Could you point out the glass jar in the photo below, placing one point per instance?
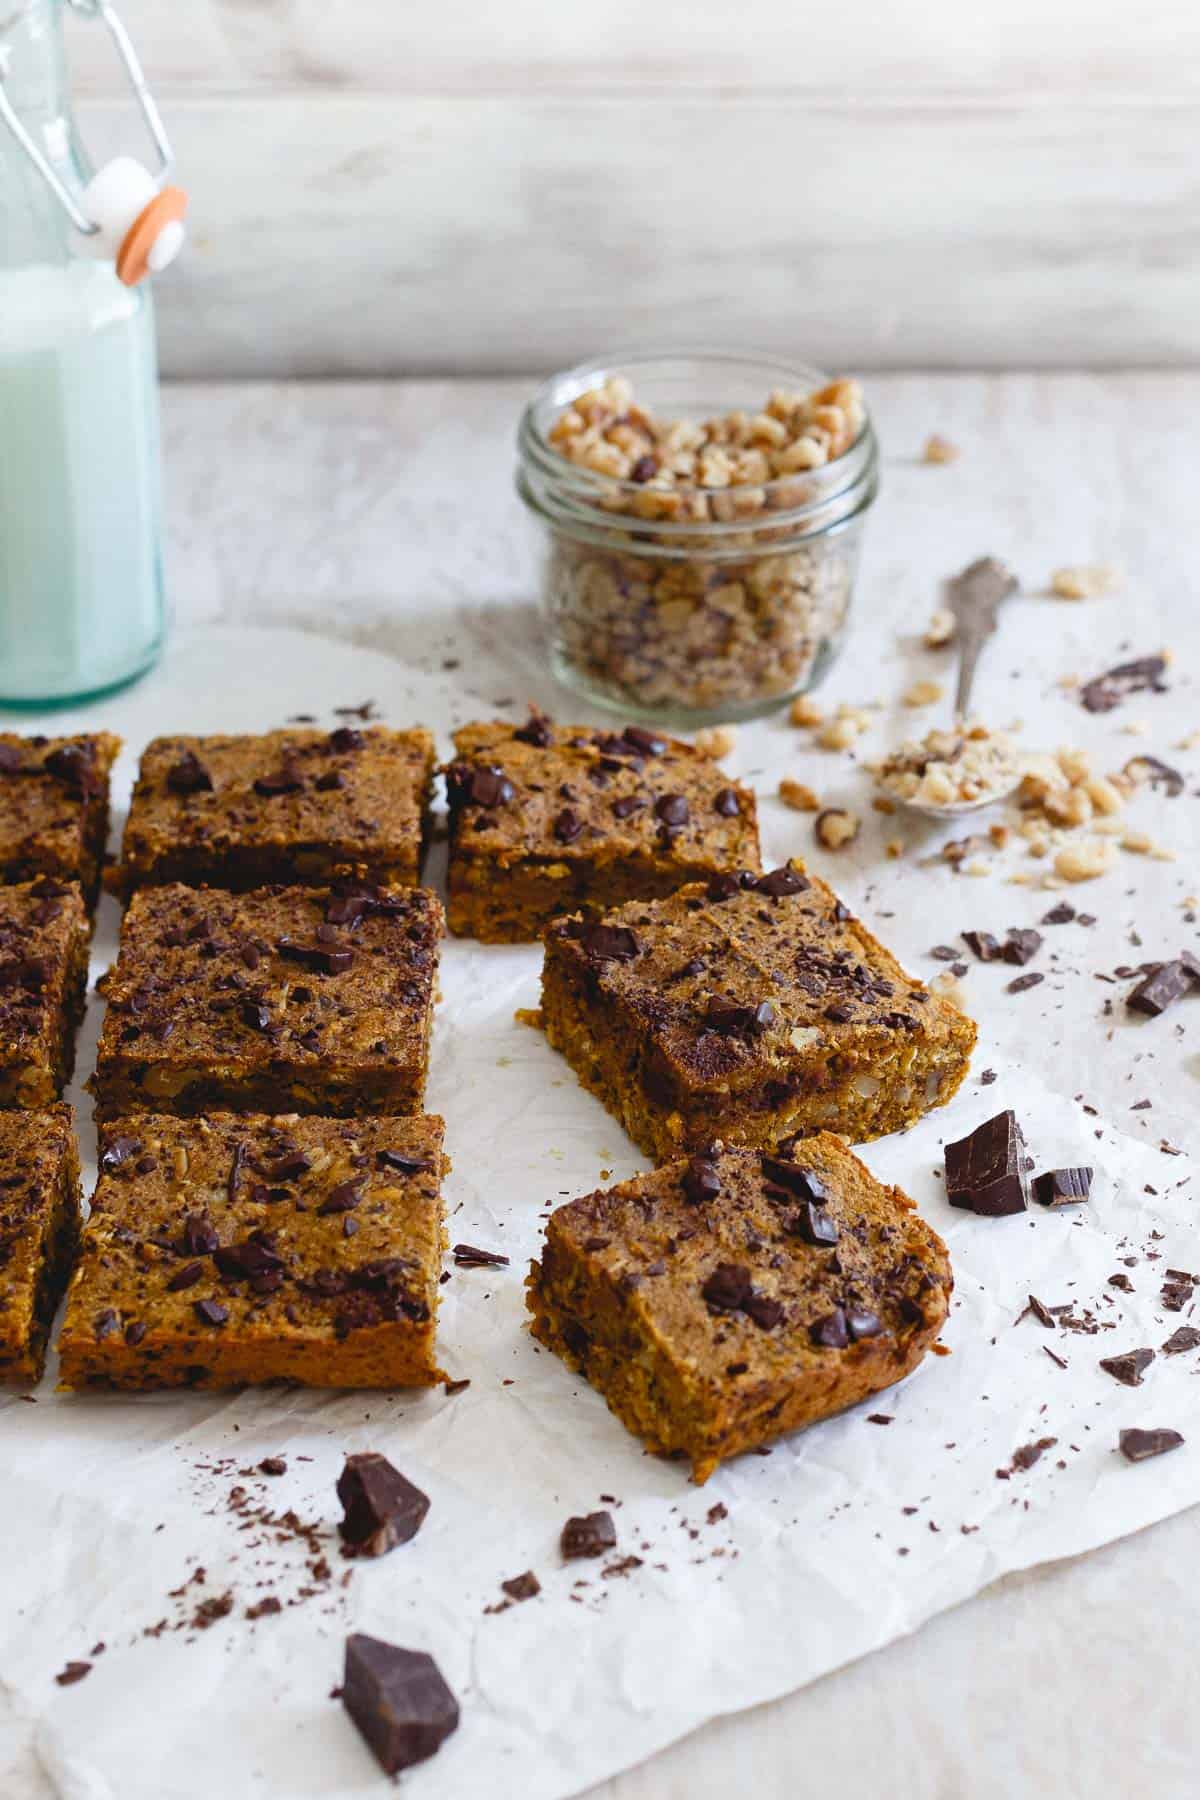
(81, 585)
(724, 613)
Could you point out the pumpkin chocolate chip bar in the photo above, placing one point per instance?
(546, 818)
(751, 1009)
(44, 938)
(730, 1297)
(39, 1230)
(314, 1000)
(288, 806)
(240, 1249)
(54, 807)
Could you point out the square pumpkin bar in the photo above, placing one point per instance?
(730, 1297)
(230, 1249)
(289, 806)
(750, 1009)
(39, 1232)
(547, 819)
(54, 807)
(44, 941)
(314, 1000)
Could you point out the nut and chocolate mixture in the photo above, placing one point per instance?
(39, 1231)
(717, 619)
(733, 1296)
(237, 1249)
(751, 1009)
(951, 768)
(547, 818)
(54, 807)
(287, 806)
(314, 1000)
(44, 936)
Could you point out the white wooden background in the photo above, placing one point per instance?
(470, 185)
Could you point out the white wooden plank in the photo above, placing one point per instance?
(1089, 48)
(357, 234)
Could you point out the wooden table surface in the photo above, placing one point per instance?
(319, 506)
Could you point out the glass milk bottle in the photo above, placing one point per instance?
(81, 581)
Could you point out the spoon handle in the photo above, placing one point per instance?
(974, 598)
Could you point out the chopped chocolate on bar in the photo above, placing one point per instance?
(398, 1700)
(985, 1172)
(1136, 1444)
(1129, 1368)
(382, 1508)
(1062, 1187)
(588, 1535)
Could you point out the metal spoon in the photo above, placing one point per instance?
(974, 597)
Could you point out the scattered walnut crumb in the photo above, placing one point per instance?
(941, 629)
(1085, 861)
(894, 849)
(837, 734)
(939, 449)
(798, 796)
(1084, 581)
(1190, 742)
(531, 1016)
(834, 828)
(882, 804)
(950, 988)
(715, 741)
(1139, 842)
(999, 835)
(1136, 728)
(805, 711)
(923, 693)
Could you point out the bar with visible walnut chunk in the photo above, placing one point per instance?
(286, 999)
(735, 1295)
(39, 1232)
(753, 1009)
(288, 806)
(546, 819)
(237, 1249)
(54, 807)
(44, 938)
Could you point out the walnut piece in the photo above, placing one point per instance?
(835, 828)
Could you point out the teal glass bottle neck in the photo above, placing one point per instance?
(34, 229)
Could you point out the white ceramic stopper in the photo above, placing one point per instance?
(117, 195)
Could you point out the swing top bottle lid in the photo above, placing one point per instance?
(138, 223)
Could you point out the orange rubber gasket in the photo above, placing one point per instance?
(133, 258)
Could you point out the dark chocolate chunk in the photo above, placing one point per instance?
(1104, 692)
(105, 1323)
(189, 775)
(985, 1172)
(1136, 1445)
(731, 1020)
(861, 1323)
(287, 1168)
(287, 779)
(780, 882)
(382, 1508)
(607, 943)
(469, 1256)
(701, 1181)
(74, 1671)
(1062, 1187)
(730, 882)
(1186, 1337)
(814, 1226)
(567, 826)
(1161, 988)
(800, 1182)
(468, 785)
(346, 737)
(1062, 914)
(535, 731)
(198, 1236)
(522, 1587)
(728, 1287)
(395, 1159)
(727, 804)
(117, 1151)
(1128, 1368)
(186, 1277)
(1020, 983)
(321, 958)
(256, 1015)
(252, 1260)
(74, 765)
(343, 1198)
(1020, 946)
(398, 1700)
(832, 1332)
(672, 809)
(11, 758)
(1158, 774)
(627, 805)
(273, 1465)
(211, 1312)
(644, 469)
(765, 1311)
(647, 742)
(589, 1534)
(984, 945)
